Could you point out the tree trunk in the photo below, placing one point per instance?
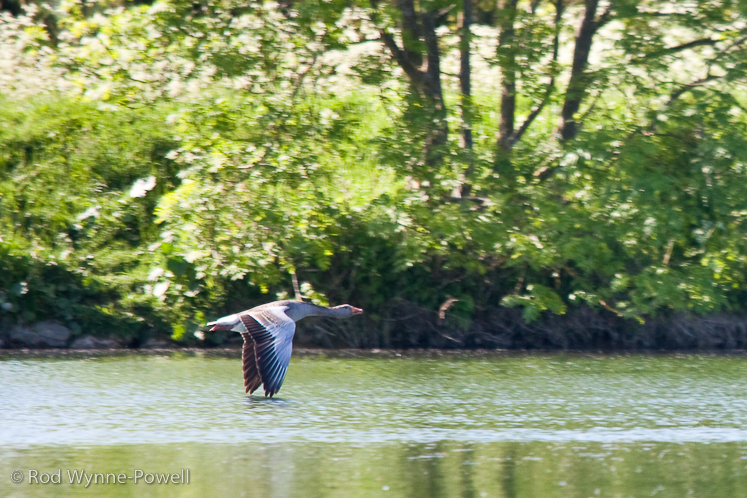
(508, 72)
(580, 80)
(426, 82)
(465, 84)
(438, 135)
(411, 32)
(12, 6)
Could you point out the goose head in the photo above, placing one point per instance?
(346, 311)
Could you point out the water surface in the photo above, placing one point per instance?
(471, 425)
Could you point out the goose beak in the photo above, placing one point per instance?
(357, 311)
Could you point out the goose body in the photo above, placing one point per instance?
(268, 338)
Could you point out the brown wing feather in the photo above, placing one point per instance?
(252, 379)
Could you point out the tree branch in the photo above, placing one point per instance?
(676, 94)
(588, 112)
(416, 76)
(508, 70)
(678, 48)
(709, 77)
(299, 81)
(689, 86)
(604, 18)
(580, 81)
(516, 136)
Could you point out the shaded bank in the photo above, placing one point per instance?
(501, 328)
(579, 329)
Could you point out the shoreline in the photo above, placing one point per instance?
(357, 353)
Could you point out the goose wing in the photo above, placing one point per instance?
(268, 343)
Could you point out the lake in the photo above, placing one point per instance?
(384, 425)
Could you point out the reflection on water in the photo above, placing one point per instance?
(451, 426)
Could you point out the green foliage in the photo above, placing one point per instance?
(186, 159)
(72, 235)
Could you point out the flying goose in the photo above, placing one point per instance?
(268, 338)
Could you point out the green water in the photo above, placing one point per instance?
(453, 425)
